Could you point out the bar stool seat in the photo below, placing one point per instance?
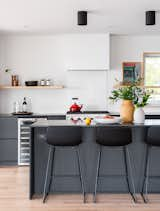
(62, 136)
(152, 140)
(153, 136)
(115, 137)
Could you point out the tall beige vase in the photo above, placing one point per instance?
(127, 111)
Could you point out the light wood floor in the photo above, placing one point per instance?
(14, 189)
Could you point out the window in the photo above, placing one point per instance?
(152, 75)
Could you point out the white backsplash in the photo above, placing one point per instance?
(90, 87)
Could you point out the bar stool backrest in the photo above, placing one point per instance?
(64, 135)
(153, 136)
(114, 136)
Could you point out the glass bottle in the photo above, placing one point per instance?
(24, 105)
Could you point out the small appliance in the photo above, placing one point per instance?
(75, 107)
(24, 139)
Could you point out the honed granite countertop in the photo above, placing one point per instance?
(8, 115)
(147, 113)
(31, 115)
(47, 123)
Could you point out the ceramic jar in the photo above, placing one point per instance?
(127, 111)
(139, 115)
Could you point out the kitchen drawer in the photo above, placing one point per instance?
(8, 128)
(60, 117)
(8, 151)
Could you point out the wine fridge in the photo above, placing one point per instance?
(24, 140)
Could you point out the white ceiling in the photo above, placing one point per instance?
(60, 16)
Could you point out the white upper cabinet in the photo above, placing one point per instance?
(87, 51)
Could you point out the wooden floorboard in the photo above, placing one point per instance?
(14, 188)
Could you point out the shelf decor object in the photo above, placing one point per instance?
(132, 71)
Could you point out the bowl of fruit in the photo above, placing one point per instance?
(107, 119)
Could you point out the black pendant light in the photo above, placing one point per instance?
(82, 18)
(150, 17)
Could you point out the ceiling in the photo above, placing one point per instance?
(60, 16)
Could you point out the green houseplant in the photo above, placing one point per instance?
(140, 101)
(126, 94)
(123, 93)
(141, 97)
(130, 95)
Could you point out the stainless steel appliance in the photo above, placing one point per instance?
(24, 139)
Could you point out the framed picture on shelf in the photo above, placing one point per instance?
(131, 71)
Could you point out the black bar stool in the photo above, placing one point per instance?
(116, 137)
(152, 140)
(62, 136)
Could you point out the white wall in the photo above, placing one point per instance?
(37, 57)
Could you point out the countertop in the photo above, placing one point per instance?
(147, 113)
(47, 123)
(8, 115)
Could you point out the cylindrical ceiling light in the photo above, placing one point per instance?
(150, 17)
(82, 18)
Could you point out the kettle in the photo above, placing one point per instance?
(75, 107)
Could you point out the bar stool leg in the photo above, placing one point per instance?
(97, 174)
(80, 171)
(127, 154)
(52, 166)
(45, 191)
(146, 177)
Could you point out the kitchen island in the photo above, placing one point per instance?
(111, 169)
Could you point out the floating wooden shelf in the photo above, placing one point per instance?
(32, 87)
(74, 70)
(143, 86)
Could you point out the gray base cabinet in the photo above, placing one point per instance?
(8, 152)
(8, 141)
(9, 138)
(8, 128)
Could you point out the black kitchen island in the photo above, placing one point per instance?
(112, 170)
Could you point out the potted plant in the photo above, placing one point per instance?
(132, 97)
(127, 95)
(140, 101)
